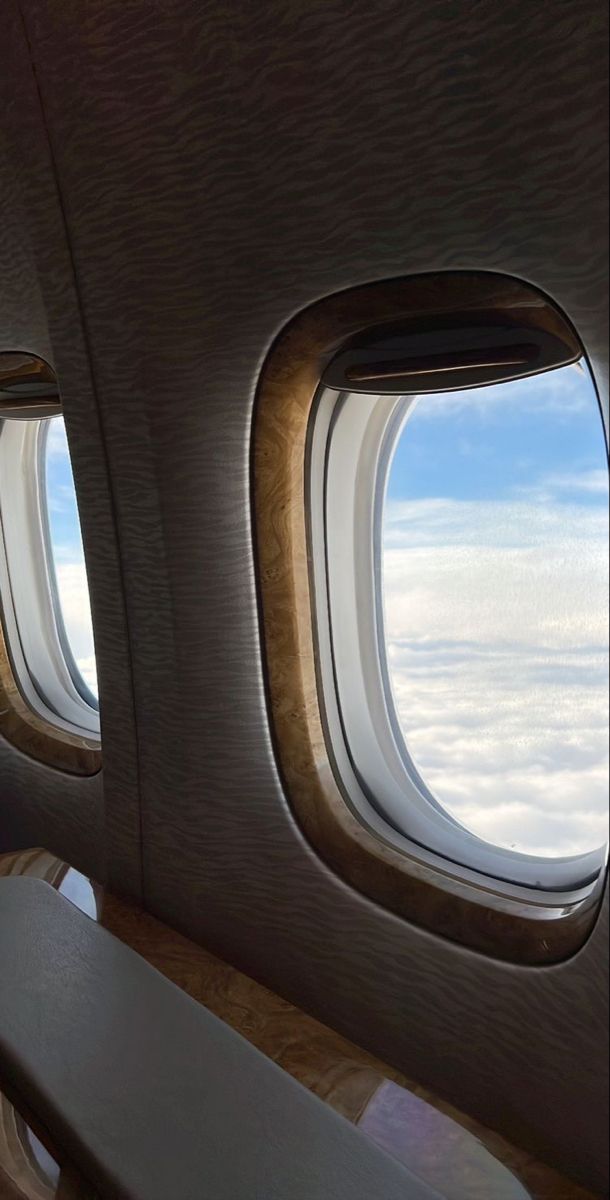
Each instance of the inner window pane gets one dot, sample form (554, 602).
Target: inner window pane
(495, 591)
(68, 558)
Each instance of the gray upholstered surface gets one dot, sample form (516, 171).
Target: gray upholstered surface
(152, 1095)
(201, 172)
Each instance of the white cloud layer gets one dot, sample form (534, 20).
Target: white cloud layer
(496, 622)
(76, 612)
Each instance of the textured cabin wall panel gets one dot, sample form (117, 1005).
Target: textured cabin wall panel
(39, 312)
(23, 320)
(41, 805)
(37, 803)
(222, 165)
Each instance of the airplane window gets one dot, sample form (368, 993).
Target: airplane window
(43, 582)
(495, 600)
(70, 577)
(459, 557)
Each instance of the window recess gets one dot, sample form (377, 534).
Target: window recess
(432, 591)
(47, 660)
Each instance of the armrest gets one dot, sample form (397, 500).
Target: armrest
(152, 1096)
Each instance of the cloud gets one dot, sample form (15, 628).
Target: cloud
(582, 481)
(88, 670)
(559, 392)
(552, 487)
(496, 623)
(61, 500)
(56, 441)
(68, 553)
(74, 599)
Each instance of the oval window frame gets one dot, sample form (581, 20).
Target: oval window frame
(520, 925)
(29, 396)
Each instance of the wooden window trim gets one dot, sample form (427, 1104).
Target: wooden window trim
(434, 897)
(30, 733)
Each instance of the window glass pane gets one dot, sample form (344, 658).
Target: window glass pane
(495, 589)
(68, 558)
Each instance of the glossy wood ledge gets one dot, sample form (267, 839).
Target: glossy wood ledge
(426, 891)
(459, 1158)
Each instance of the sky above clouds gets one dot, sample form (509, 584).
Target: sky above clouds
(495, 582)
(68, 553)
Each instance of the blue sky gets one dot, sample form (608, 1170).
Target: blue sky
(495, 601)
(488, 442)
(61, 496)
